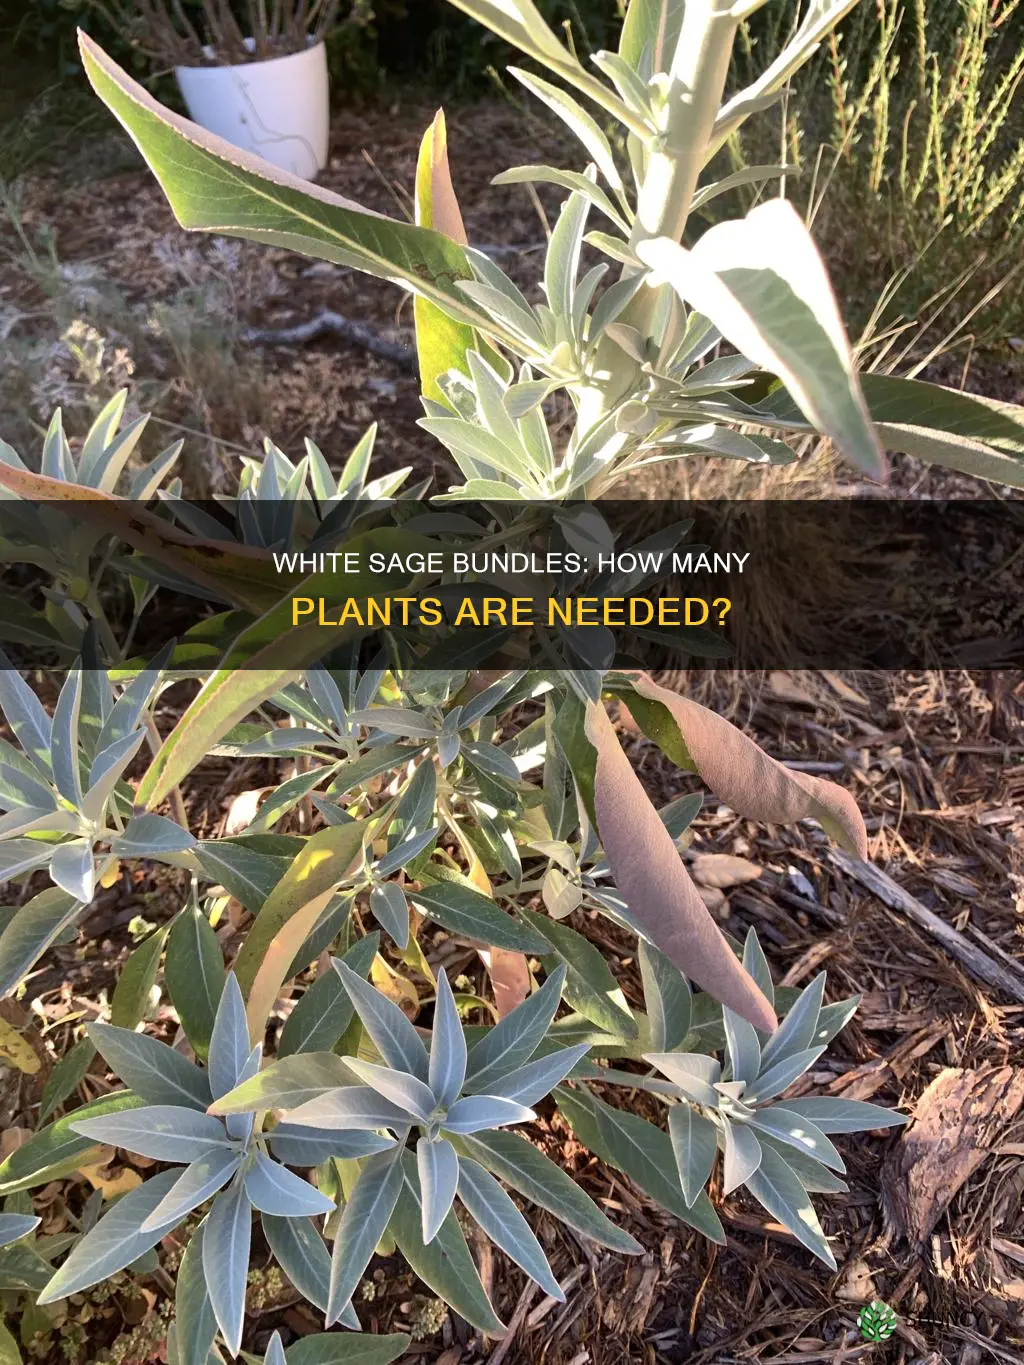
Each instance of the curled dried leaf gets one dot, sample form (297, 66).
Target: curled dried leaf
(754, 785)
(649, 873)
(722, 870)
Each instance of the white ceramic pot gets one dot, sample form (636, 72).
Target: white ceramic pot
(277, 109)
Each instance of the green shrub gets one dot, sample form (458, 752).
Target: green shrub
(920, 136)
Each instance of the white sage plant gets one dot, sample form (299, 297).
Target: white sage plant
(431, 805)
(441, 811)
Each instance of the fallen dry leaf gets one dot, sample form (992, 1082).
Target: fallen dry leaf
(510, 978)
(857, 1284)
(789, 687)
(723, 870)
(1005, 1247)
(715, 900)
(397, 988)
(243, 810)
(111, 1180)
(17, 1051)
(843, 689)
(11, 1139)
(110, 875)
(957, 1125)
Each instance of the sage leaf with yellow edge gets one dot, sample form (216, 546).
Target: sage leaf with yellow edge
(441, 340)
(324, 861)
(225, 698)
(57, 1149)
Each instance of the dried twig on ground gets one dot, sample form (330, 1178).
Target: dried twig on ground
(357, 333)
(1008, 979)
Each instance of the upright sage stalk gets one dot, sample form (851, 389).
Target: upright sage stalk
(694, 72)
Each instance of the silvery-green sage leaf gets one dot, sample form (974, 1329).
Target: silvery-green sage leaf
(694, 1074)
(438, 1169)
(64, 739)
(194, 973)
(14, 1226)
(229, 1041)
(397, 1087)
(797, 1029)
(775, 1185)
(528, 1171)
(447, 1069)
(150, 1068)
(115, 1241)
(742, 1155)
(795, 1130)
(491, 1207)
(163, 1132)
(26, 716)
(350, 1107)
(106, 770)
(274, 1189)
(473, 1113)
(194, 1318)
(193, 1186)
(150, 835)
(227, 1237)
(743, 1047)
(324, 1010)
(394, 1037)
(666, 995)
(391, 911)
(530, 1083)
(844, 1116)
(781, 1076)
(362, 1225)
(72, 868)
(299, 1145)
(514, 1039)
(694, 1145)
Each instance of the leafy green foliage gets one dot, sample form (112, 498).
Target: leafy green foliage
(423, 1126)
(627, 354)
(420, 797)
(779, 1152)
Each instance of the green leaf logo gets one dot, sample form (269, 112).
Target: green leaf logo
(877, 1321)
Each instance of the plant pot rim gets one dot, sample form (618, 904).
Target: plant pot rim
(215, 64)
